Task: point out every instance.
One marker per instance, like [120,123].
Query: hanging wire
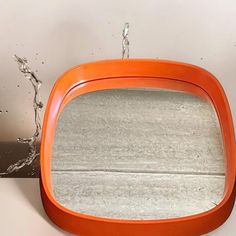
[125,42]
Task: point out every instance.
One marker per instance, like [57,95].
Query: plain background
[57,34]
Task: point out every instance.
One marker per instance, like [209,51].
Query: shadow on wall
[10,153]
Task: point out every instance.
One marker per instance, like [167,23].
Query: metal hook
[125,42]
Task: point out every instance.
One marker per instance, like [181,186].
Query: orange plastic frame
[137,73]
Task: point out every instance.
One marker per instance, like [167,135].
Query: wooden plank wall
[138,154]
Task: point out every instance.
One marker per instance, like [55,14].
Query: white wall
[65,33]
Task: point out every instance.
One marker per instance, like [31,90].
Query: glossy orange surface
[137,73]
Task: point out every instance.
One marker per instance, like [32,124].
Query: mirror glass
[138,154]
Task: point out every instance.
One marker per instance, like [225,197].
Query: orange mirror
[138,146]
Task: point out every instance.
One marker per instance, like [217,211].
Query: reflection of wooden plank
[139,131]
[137,196]
[138,155]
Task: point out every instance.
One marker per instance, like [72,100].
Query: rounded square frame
[139,73]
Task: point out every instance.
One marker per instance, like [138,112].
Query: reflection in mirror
[138,154]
